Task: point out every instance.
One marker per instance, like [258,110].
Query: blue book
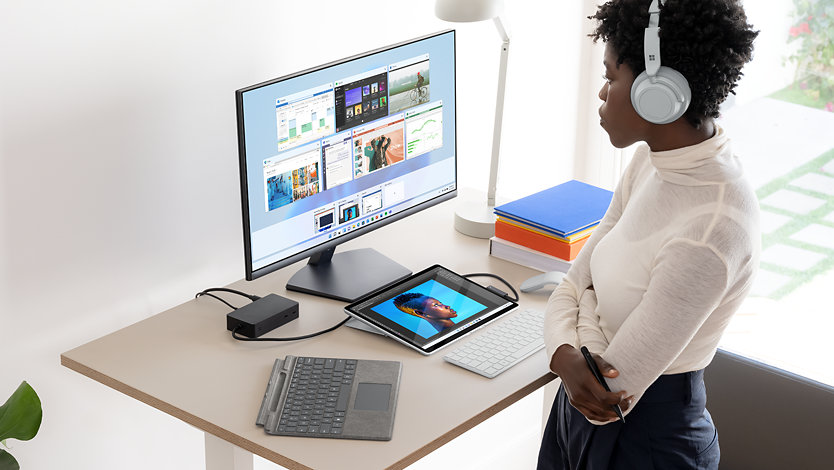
[561,210]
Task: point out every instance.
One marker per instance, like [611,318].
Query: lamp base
[473,217]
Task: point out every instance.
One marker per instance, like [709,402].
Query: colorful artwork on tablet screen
[428,308]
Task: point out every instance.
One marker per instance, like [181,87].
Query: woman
[658,281]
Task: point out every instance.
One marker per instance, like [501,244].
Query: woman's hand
[584,392]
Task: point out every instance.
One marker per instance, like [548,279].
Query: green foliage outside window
[813,28]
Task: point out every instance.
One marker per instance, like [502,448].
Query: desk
[184,362]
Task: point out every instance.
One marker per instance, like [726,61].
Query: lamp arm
[502,28]
[499,112]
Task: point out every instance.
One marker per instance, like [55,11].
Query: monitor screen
[333,152]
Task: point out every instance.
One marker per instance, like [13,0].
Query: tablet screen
[431,308]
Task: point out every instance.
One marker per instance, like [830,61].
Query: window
[782,125]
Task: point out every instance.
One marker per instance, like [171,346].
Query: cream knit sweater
[670,263]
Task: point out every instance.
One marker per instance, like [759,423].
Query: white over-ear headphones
[660,95]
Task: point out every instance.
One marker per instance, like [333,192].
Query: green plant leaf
[7,462]
[20,416]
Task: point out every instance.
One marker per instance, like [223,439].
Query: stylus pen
[595,370]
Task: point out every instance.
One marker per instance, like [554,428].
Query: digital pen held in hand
[592,364]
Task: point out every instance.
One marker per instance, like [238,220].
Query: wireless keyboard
[502,345]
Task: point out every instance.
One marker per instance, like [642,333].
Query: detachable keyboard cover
[331,397]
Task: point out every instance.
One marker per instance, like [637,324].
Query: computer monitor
[336,151]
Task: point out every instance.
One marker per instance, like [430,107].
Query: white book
[524,256]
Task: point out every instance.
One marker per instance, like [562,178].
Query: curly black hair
[405,299]
[708,41]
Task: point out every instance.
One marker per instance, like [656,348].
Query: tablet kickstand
[359,325]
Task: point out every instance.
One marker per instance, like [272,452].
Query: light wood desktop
[184,362]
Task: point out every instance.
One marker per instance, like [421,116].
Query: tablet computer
[430,309]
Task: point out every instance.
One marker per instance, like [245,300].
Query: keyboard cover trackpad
[374,397]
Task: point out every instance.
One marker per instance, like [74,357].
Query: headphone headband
[651,40]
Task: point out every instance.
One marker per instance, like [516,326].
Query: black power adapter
[262,316]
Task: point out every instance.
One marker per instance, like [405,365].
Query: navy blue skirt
[669,428]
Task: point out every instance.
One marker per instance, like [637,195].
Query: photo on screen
[429,308]
[279,190]
[409,86]
[379,145]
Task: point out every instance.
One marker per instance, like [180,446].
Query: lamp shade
[464,11]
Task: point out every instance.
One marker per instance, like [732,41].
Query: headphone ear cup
[663,98]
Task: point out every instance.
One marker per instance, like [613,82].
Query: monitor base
[347,275]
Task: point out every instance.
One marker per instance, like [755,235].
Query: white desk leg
[223,455]
[550,391]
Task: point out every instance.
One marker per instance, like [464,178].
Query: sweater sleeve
[562,314]
[688,281]
[588,330]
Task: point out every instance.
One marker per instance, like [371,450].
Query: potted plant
[20,418]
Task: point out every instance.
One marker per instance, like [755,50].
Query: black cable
[251,297]
[218,298]
[293,338]
[496,277]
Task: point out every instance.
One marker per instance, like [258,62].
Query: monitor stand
[347,275]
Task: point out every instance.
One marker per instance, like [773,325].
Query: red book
[538,242]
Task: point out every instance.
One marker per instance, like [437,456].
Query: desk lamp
[473,217]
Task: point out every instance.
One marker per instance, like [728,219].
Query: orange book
[538,242]
[570,239]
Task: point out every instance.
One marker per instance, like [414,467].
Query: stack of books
[547,229]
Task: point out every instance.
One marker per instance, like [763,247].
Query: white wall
[118,159]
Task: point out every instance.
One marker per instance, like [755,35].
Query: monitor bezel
[252,273]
